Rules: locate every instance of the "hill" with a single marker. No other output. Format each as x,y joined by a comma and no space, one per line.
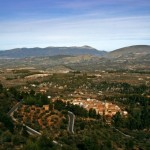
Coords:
50,51
131,52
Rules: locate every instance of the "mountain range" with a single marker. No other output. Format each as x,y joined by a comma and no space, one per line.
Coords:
50,51
83,58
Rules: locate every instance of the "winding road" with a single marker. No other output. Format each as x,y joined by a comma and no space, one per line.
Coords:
14,108
126,135
71,117
29,130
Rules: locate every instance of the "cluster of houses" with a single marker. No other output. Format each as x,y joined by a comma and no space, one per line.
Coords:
103,108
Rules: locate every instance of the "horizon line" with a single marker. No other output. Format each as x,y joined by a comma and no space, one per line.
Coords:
73,46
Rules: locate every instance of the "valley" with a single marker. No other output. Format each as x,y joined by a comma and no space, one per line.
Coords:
110,98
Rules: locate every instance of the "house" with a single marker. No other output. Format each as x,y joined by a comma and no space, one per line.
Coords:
46,107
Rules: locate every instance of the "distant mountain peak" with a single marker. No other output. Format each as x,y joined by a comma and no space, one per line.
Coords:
86,46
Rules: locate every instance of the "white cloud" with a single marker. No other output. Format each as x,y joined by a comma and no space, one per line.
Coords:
78,30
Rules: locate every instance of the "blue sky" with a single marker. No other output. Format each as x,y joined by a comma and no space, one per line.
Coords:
103,24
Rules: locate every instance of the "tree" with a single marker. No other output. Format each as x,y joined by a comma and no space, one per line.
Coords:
1,88
44,100
14,92
6,136
32,92
92,113
45,143
18,139
24,131
129,144
117,120
31,146
59,105
145,115
7,121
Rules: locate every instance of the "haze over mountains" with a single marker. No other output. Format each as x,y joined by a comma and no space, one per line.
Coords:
78,58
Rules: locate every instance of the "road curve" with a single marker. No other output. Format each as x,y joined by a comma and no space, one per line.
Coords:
126,135
71,118
14,108
29,130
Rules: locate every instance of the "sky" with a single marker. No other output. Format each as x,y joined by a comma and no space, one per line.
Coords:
102,24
